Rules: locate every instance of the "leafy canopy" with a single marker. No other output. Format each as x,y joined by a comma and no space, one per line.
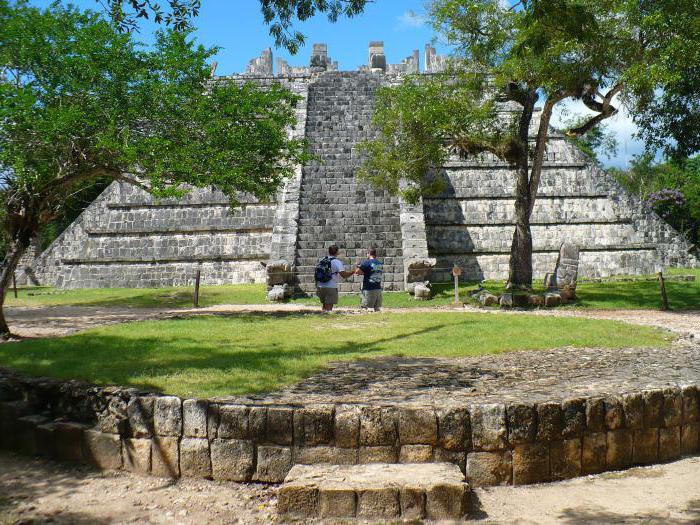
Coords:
80,101
278,14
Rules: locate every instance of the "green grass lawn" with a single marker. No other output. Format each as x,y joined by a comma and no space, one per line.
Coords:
215,355
607,295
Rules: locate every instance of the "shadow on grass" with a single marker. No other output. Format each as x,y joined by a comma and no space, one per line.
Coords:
249,366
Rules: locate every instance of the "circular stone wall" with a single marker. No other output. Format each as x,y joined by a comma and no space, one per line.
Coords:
515,418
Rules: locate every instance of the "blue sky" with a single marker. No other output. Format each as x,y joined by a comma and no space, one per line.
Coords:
237,27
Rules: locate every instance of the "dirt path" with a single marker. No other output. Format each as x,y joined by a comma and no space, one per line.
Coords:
51,321
34,491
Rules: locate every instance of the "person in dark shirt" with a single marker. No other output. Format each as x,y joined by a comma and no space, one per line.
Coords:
371,271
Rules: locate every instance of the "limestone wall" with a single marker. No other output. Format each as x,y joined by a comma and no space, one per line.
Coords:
494,444
471,222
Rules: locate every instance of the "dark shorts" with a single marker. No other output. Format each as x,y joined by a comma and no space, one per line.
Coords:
327,295
371,299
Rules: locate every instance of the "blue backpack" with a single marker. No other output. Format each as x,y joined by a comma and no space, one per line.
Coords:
324,270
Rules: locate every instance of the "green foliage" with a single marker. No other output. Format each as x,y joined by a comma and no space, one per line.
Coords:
650,180
280,15
79,102
421,121
596,143
252,353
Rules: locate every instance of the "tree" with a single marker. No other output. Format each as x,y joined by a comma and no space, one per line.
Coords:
514,55
278,14
81,102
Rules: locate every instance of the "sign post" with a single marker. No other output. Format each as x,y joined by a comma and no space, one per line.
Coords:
456,272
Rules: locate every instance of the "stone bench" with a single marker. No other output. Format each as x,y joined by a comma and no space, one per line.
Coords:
375,491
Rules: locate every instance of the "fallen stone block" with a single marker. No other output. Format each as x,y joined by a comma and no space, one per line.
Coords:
488,299
434,491
552,299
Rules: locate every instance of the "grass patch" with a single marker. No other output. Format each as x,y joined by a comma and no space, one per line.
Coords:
214,355
640,294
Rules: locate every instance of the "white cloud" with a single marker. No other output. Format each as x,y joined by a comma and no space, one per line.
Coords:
621,125
411,19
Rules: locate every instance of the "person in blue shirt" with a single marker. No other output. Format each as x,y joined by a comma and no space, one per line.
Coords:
371,271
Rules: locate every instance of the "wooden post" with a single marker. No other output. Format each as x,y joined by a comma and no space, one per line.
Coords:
196,288
664,297
456,272
14,284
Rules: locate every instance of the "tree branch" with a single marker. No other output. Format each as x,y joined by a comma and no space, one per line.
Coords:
605,110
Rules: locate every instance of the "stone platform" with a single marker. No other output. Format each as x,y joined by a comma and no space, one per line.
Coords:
379,491
515,418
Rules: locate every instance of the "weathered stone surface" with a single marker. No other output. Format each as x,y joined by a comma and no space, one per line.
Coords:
440,455
522,423
488,299
530,463
691,404
257,424
594,453
489,468
194,414
454,429
45,436
506,300
412,502
233,422
435,491
645,448
669,443
382,454
213,418
595,414
273,464
297,498
69,441
280,425
417,426
673,407
347,426
103,450
232,459
26,433
619,449
574,411
325,454
550,421
314,425
489,427
136,455
378,426
634,410
416,454
167,416
165,457
279,293
690,438
140,413
552,299
337,502
565,458
614,413
194,457
382,502
446,501
653,408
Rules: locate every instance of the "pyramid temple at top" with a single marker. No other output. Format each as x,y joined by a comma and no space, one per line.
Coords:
126,238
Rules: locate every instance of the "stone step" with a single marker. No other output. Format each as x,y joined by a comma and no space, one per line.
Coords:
435,491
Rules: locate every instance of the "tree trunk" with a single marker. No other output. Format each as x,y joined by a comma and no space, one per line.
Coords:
520,266
9,265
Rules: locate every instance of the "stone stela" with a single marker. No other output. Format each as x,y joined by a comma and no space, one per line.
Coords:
125,238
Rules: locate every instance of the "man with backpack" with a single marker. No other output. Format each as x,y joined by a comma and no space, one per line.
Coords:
371,270
326,274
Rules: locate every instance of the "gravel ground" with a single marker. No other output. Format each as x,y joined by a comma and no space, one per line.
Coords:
34,491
